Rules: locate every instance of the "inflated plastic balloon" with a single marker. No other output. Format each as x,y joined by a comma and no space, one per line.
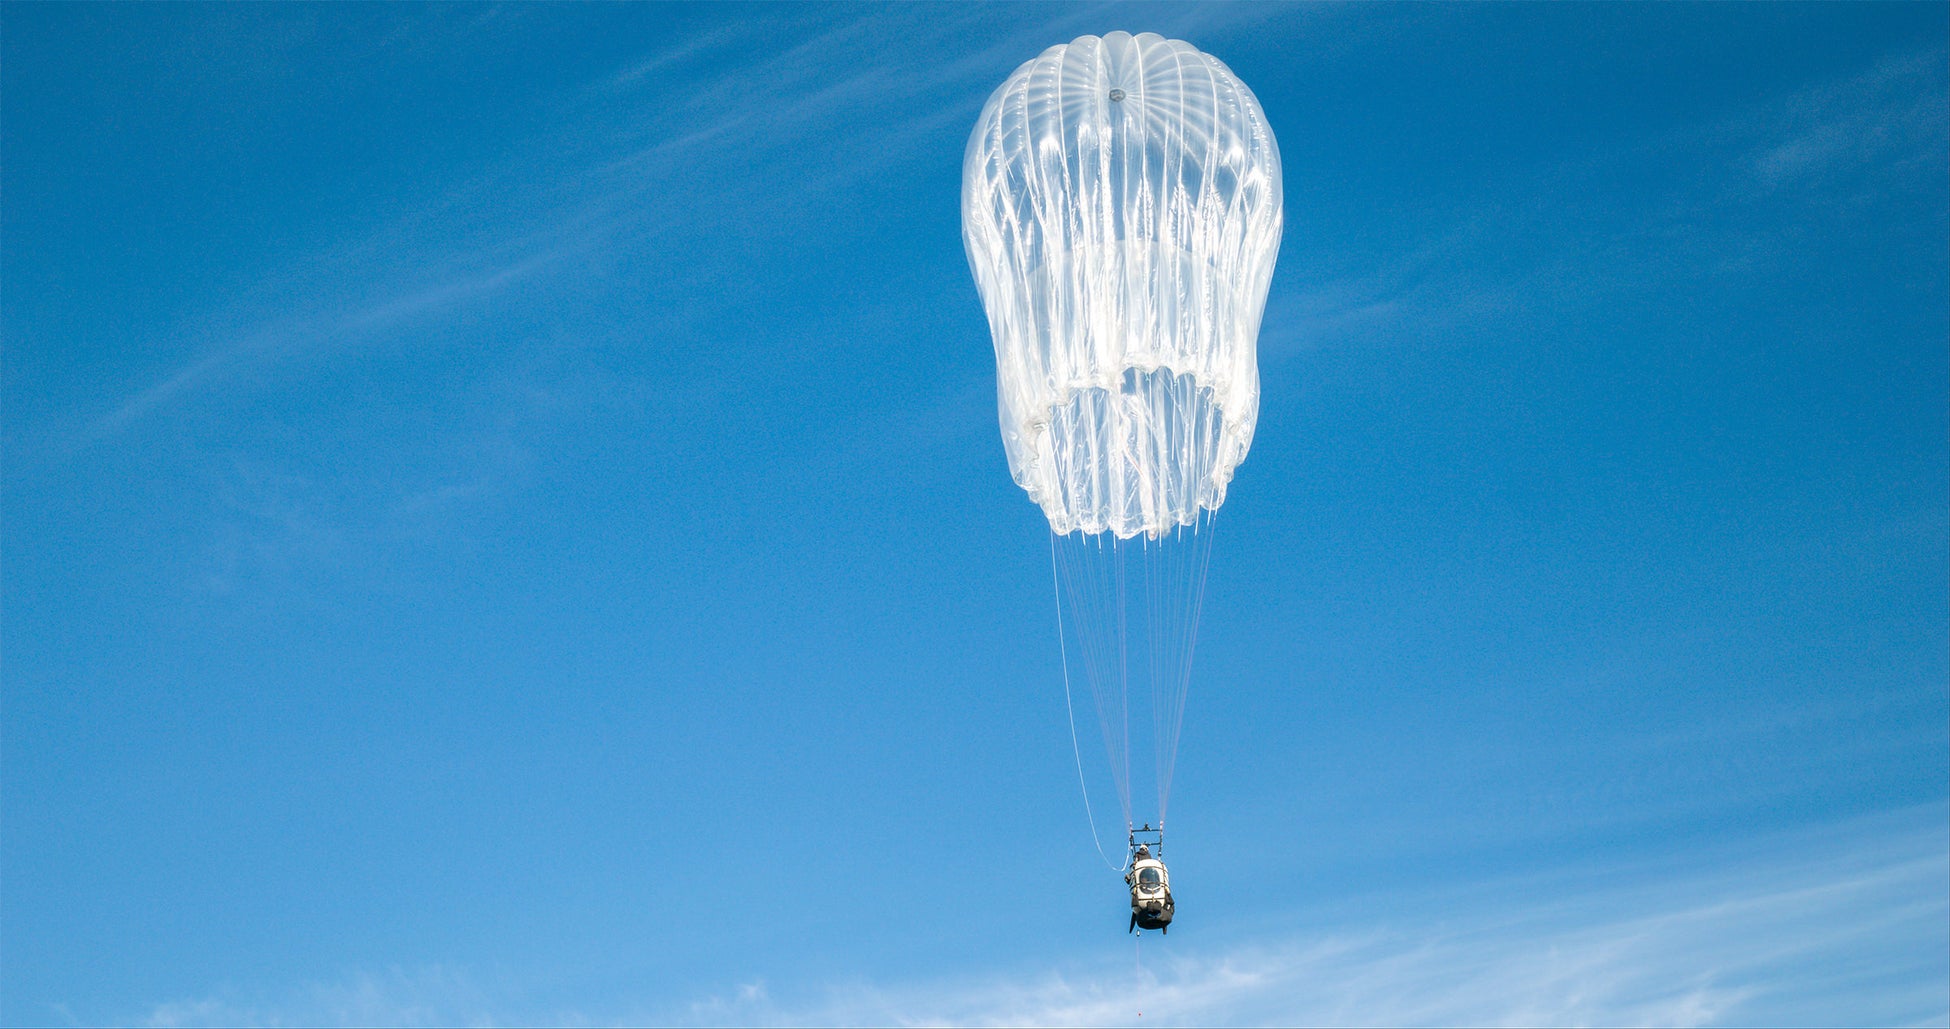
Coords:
1121,208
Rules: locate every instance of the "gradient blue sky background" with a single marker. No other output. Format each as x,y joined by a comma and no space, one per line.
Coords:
504,522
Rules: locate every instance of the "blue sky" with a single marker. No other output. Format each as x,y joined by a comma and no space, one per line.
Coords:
503,521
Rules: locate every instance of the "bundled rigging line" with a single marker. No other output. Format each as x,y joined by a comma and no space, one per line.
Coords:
1091,573
1069,708
1175,572
1091,567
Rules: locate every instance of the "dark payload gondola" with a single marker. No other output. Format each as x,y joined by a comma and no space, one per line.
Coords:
1151,904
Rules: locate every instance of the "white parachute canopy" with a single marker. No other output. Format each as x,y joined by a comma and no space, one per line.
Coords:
1121,208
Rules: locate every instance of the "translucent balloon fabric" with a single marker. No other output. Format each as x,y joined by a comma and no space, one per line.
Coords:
1121,208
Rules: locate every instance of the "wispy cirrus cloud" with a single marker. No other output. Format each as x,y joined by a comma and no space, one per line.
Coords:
1538,242
345,325
1891,114
1845,929
619,189
1845,924
429,995
624,165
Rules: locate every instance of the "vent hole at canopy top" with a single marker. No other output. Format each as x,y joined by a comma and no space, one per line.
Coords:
1116,96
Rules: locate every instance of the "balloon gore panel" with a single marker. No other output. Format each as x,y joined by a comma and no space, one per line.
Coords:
1122,210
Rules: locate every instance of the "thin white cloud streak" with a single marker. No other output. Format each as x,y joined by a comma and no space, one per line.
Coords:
1894,112
335,328
1855,935
538,209
1845,924
1826,147
432,995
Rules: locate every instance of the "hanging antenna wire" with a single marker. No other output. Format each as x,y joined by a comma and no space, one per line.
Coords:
1069,709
